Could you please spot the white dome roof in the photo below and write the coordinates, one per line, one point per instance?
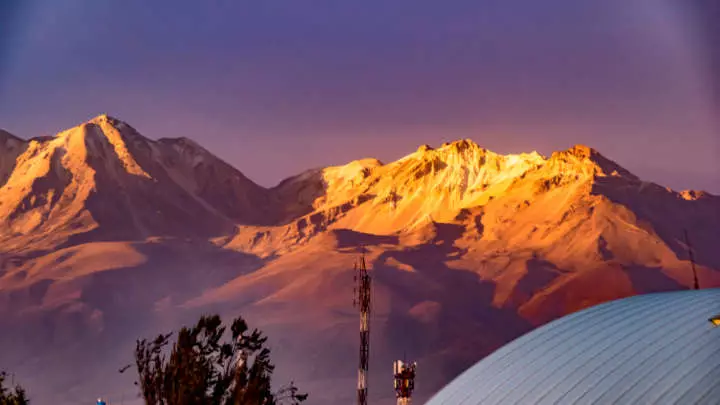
(646, 349)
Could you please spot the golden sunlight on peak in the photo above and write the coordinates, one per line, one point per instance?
(105, 118)
(582, 151)
(692, 195)
(100, 118)
(461, 144)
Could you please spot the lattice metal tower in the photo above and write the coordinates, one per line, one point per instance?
(362, 301)
(692, 260)
(404, 381)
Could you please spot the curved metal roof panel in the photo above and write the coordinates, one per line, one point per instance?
(646, 349)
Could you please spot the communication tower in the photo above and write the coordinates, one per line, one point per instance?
(404, 381)
(692, 260)
(362, 302)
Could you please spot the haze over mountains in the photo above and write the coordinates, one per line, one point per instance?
(107, 236)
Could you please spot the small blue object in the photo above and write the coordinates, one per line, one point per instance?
(101, 402)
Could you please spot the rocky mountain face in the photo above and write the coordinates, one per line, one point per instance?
(107, 236)
(104, 181)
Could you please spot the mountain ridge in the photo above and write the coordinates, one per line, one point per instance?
(107, 236)
(578, 150)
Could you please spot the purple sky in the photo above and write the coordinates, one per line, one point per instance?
(276, 87)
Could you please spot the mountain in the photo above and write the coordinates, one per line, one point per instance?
(108, 236)
(104, 181)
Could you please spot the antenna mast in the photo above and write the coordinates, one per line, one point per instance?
(362, 301)
(692, 260)
(404, 379)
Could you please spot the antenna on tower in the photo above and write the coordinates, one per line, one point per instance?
(692, 260)
(362, 301)
(404, 381)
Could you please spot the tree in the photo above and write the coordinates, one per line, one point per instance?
(8, 397)
(203, 369)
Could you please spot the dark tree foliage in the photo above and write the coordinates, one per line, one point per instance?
(202, 368)
(15, 397)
